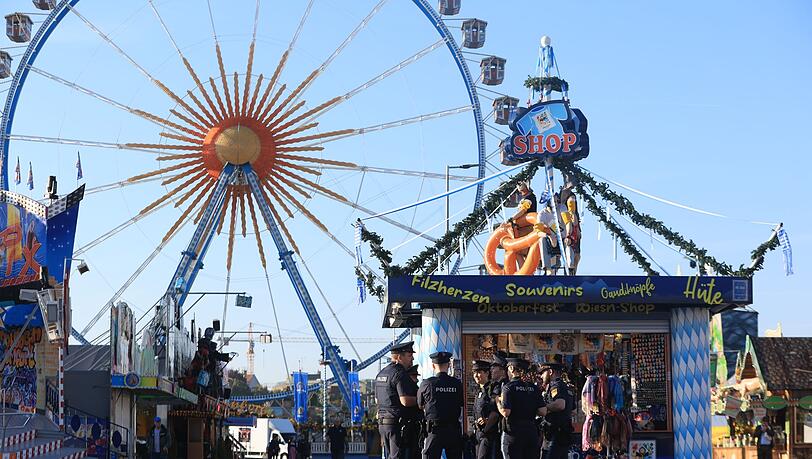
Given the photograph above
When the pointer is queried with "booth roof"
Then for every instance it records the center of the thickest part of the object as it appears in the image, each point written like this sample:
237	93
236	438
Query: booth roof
88	358
784	362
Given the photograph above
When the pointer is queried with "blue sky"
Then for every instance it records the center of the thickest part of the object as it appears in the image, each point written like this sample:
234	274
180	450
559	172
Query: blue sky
700	103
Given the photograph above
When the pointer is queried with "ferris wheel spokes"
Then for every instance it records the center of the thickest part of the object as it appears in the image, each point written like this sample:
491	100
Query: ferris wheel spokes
140	113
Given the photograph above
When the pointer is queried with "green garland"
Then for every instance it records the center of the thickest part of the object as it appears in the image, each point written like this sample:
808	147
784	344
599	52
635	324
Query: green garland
537	83
448	243
757	257
625	207
467	227
624	239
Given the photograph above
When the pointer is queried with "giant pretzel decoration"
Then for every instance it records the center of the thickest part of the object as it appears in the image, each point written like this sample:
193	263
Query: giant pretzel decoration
510	238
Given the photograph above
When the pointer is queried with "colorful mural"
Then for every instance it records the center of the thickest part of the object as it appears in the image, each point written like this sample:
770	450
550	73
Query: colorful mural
22	240
20	373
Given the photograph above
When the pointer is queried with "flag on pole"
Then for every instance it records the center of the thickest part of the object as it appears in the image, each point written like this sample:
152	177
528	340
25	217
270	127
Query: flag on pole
356	406
17	174
786	249
30	176
78	166
300	397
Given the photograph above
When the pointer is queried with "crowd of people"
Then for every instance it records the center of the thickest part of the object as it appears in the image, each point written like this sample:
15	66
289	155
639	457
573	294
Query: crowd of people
519	413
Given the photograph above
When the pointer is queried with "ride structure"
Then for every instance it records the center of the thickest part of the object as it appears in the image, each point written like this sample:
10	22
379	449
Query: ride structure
240	148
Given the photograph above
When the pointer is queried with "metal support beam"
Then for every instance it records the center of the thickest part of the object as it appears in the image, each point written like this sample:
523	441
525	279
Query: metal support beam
192	258
331	352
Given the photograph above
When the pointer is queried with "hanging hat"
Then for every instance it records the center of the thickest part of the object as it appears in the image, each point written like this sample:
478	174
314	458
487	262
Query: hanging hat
412	370
402	348
518	362
481	365
440	357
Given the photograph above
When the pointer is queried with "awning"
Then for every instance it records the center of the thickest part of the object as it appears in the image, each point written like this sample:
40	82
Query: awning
159	389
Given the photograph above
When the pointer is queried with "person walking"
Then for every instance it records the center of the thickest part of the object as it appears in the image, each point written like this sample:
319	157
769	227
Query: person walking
765	436
158	441
395	391
273	447
338	439
441	398
519	404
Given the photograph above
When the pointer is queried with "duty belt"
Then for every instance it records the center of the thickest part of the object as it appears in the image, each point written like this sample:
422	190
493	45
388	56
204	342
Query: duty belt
388	421
453	423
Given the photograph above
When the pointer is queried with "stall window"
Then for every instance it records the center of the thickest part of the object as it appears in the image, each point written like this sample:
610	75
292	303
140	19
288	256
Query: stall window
803	426
639	363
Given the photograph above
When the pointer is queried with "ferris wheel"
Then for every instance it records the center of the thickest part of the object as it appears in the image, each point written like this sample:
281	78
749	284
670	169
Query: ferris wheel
212	131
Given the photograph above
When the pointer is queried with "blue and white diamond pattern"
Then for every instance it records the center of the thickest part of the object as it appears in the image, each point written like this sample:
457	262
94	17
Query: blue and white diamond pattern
442	331
690	359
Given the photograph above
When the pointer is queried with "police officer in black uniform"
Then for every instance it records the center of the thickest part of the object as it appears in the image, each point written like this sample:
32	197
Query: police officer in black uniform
412	428
485	414
441	398
560	403
395	392
498	380
520	403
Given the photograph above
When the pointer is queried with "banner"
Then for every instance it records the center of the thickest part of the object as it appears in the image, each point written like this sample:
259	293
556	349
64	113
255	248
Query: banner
356	407
300	397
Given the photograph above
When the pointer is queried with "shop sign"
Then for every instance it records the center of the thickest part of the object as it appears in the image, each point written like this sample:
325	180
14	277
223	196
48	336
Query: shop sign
806	402
759	412
624	309
774	403
665	290
547	130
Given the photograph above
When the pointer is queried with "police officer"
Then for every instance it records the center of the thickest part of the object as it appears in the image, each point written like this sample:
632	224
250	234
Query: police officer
441	398
498	380
520	403
560	403
395	392
412	427
485	414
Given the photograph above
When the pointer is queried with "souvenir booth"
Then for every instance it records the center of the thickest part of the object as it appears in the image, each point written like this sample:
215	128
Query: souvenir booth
649	334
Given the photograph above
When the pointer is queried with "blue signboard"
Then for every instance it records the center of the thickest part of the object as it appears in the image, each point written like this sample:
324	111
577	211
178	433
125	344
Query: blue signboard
33	236
547	130
482	290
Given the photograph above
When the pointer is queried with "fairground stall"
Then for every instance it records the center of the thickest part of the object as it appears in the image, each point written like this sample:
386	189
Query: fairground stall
648	335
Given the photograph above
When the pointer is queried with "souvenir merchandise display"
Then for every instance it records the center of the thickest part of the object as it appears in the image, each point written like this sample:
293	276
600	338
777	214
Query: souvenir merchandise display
649	370
621	381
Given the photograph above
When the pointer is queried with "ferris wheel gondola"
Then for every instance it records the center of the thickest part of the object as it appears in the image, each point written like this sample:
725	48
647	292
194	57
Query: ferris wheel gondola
242	152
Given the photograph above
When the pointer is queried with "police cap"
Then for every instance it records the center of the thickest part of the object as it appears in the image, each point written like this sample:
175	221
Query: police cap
481	365
402	348
552	366
499	359
412	370
440	357
517	362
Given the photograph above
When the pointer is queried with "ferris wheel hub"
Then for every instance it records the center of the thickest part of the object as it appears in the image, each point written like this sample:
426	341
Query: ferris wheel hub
237	145
238	141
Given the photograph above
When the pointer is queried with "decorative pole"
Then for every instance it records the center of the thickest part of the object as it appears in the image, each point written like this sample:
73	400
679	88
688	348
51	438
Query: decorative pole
547	62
